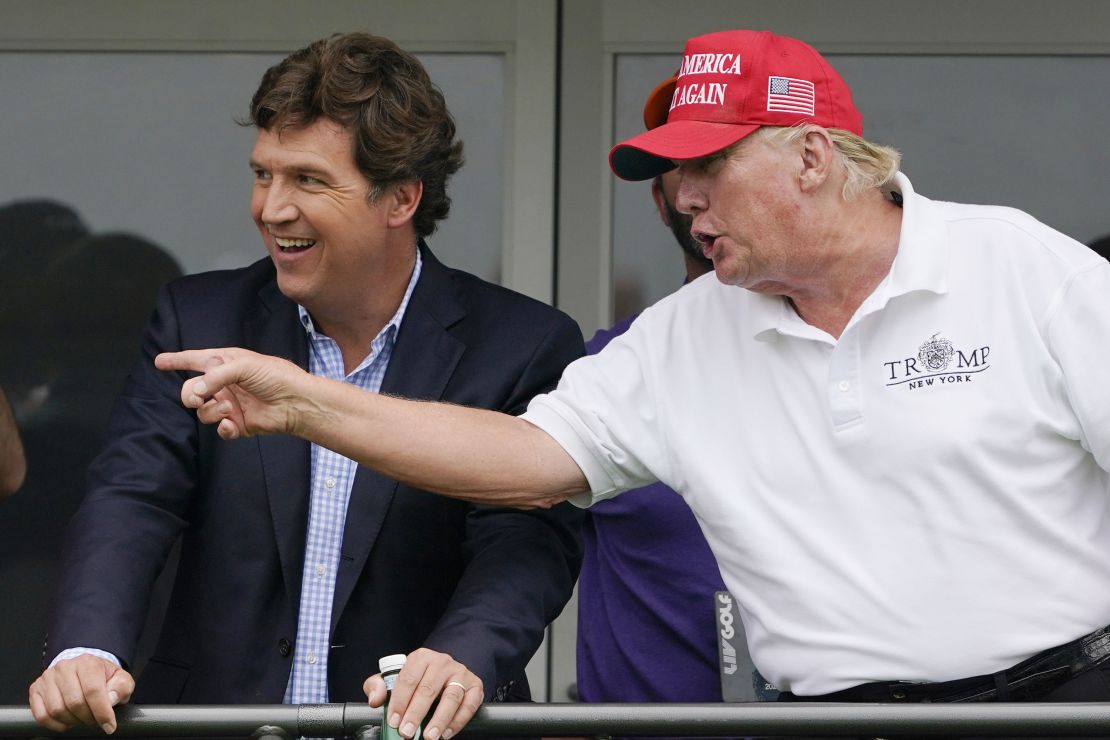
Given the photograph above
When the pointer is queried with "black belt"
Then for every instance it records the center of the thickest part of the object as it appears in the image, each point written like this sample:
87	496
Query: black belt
1029	680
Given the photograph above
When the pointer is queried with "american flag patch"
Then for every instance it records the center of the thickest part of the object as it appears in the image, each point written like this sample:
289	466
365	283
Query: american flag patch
790	95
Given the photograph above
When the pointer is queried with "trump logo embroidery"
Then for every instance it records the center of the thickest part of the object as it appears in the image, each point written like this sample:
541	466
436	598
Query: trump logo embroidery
933	364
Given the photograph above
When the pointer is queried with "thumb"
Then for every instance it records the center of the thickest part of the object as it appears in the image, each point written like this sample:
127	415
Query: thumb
374	688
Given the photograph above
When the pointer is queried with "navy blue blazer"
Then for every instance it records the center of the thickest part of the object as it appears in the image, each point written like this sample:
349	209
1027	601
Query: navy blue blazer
416	569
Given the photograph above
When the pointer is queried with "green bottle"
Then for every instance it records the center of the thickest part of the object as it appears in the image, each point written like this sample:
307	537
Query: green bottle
390	666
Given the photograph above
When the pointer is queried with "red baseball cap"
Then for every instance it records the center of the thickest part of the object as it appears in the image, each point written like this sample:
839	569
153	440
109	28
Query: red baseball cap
731	83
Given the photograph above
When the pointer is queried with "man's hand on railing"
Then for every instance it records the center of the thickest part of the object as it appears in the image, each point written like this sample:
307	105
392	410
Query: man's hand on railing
429	675
80	691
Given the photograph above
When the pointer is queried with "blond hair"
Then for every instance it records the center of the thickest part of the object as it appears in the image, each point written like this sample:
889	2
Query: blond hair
866	164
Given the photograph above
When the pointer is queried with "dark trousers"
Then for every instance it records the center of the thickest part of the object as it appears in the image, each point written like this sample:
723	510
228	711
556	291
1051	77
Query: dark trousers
1076	672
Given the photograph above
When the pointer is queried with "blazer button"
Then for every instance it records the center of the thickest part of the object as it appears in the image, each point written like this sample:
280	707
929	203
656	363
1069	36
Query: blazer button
284	647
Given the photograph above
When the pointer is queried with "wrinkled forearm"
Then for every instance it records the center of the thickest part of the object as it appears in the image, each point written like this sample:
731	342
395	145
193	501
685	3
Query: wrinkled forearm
466	453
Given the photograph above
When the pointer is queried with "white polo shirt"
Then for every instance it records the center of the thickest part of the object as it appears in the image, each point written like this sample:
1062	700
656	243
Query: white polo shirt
924	499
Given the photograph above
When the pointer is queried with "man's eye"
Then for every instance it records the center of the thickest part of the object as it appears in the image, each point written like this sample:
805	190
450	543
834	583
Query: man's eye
309	180
261	174
691	166
705	165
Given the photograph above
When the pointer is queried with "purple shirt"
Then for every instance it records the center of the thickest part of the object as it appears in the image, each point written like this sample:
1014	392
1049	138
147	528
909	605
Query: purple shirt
646	617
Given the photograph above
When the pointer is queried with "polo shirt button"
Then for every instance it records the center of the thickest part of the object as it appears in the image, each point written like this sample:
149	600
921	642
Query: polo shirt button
844	385
284	648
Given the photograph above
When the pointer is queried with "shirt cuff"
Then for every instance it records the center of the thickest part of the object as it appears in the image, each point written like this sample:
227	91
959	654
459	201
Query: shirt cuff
545	415
75	652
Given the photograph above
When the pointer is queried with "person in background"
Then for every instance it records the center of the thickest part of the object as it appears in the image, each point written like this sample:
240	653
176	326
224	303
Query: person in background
888	413
90	300
299	569
33	234
647	591
1102	246
13	463
37	456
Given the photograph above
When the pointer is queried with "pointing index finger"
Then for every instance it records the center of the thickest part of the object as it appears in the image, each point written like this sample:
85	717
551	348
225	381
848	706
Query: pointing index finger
198	360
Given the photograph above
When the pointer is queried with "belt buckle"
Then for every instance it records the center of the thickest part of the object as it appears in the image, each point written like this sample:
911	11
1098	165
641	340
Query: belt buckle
899	691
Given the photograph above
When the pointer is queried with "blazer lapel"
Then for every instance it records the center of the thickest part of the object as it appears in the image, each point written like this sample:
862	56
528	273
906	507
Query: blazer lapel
424	358
275	330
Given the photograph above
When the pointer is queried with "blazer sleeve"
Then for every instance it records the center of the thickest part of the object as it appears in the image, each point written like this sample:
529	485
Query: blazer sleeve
136	503
521	565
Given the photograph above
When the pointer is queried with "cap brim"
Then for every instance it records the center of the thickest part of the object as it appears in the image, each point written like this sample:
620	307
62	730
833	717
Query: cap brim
652	153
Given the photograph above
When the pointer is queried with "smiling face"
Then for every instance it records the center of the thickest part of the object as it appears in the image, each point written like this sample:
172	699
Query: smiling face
330	241
749	215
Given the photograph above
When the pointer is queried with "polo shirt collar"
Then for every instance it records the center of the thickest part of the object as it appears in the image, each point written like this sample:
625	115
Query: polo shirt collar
923	247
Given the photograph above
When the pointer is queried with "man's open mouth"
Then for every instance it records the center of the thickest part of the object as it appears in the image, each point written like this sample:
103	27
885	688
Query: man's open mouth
294	245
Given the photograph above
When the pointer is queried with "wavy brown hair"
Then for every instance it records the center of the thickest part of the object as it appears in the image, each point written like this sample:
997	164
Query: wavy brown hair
402	129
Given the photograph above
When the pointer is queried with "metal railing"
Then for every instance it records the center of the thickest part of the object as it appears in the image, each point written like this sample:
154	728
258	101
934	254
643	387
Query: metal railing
597	720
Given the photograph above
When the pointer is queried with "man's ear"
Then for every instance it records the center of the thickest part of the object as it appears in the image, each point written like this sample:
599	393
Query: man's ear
660	200
404	197
817	158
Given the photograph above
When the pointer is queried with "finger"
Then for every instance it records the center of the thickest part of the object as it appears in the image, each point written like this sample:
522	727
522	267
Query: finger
453	711
213	411
190	359
95	691
224	405
194	393
197	391
121	685
412	696
374	688
53	696
84	688
39	710
234	409
472	702
403	686
228	430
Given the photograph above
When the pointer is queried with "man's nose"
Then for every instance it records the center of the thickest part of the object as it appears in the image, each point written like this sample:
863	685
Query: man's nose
690	197
277	205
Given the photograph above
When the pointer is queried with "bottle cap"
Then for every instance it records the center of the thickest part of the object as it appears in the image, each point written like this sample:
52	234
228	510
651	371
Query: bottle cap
391	663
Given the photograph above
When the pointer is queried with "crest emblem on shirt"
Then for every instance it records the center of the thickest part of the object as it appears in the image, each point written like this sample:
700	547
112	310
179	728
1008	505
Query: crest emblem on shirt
936	354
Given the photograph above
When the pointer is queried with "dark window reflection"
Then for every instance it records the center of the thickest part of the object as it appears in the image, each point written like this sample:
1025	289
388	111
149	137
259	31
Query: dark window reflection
72	308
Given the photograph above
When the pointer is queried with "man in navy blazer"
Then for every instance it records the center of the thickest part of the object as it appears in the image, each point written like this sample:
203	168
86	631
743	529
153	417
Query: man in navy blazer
298	568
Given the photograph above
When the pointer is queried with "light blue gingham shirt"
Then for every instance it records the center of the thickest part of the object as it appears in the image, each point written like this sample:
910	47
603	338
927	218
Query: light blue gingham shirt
332	476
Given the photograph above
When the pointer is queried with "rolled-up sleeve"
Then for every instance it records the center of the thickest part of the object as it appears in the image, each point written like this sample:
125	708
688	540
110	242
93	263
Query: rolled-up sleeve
605	415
